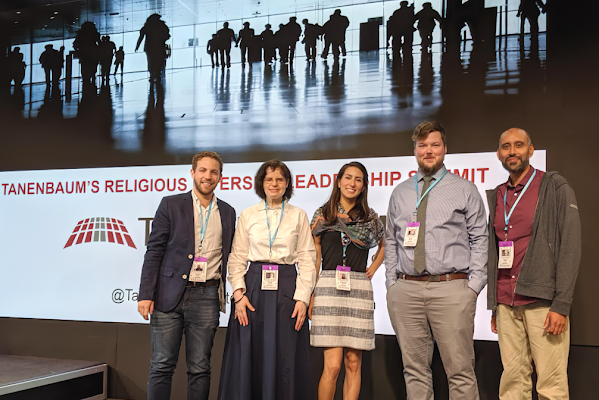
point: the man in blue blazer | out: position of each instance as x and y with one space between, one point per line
183 279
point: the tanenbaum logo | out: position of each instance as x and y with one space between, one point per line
100 229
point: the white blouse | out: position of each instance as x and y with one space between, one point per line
293 244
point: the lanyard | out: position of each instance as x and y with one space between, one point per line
204 225
427 190
345 241
507 216
271 239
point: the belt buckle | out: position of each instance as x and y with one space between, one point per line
434 278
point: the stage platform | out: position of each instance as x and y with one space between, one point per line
51 379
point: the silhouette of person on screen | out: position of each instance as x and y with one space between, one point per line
107 48
426 24
334 33
246 43
86 48
16 66
282 41
156 33
400 28
311 34
212 50
268 44
119 59
529 10
293 32
52 61
225 37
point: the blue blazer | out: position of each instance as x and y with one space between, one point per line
170 250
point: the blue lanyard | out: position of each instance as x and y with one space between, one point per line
427 190
507 216
271 239
204 225
345 241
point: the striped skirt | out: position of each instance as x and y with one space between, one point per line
341 318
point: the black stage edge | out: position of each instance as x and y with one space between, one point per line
126 349
51 379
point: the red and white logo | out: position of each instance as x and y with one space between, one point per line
100 229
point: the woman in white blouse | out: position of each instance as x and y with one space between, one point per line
267 346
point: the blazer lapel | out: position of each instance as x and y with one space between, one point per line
188 206
224 219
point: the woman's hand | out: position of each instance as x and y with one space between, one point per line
311 306
377 260
370 271
241 303
300 312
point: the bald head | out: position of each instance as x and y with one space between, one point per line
515 131
515 150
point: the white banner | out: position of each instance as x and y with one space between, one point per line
58 263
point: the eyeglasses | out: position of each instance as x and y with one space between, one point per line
270 181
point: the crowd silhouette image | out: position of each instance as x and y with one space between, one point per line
95 51
277 48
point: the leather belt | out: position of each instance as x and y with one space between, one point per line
434 278
211 282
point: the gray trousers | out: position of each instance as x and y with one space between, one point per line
426 312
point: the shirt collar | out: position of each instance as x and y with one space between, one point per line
262 206
196 200
435 176
523 181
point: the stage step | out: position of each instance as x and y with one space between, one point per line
26 378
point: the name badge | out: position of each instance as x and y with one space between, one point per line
270 277
198 269
411 237
342 278
506 255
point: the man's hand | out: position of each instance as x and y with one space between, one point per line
554 323
494 324
145 307
300 312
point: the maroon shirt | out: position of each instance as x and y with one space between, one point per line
519 231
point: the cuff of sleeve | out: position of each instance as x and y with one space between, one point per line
240 284
475 285
306 304
389 283
560 307
301 297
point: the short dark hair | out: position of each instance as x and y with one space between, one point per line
425 128
261 174
211 154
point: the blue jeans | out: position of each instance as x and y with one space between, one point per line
197 316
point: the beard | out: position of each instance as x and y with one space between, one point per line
202 190
429 169
518 167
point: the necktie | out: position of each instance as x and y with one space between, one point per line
419 254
